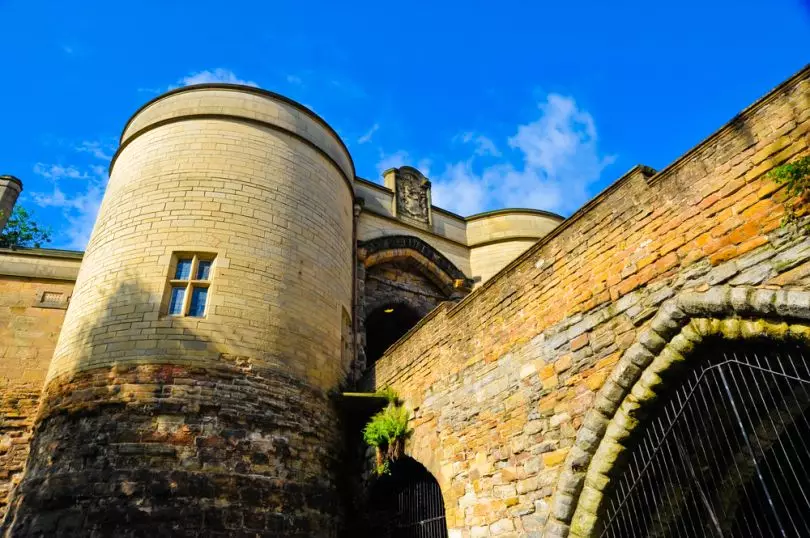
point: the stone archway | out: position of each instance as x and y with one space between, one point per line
407 275
385 325
681 324
407 502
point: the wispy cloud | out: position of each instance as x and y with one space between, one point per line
295 79
99 149
558 161
402 158
79 198
218 74
55 172
483 145
367 136
392 160
67 49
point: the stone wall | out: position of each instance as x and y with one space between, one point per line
32 309
233 400
502 382
232 450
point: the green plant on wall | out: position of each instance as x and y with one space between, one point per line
795 176
387 432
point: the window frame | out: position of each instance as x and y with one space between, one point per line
189 284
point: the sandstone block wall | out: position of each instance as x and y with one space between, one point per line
219 424
479 245
29 329
501 383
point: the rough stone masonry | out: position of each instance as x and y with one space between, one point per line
514 388
189 389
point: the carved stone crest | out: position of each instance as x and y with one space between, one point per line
413 195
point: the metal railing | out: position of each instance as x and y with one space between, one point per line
725 454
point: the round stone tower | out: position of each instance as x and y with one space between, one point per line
188 393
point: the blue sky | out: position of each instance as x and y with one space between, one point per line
533 104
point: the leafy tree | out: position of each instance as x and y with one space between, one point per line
21 230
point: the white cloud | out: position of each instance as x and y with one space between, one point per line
367 137
559 162
87 183
393 160
483 145
294 79
55 172
67 49
214 75
98 149
402 158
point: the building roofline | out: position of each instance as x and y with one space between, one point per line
731 124
245 89
44 252
15 179
649 173
515 211
476 216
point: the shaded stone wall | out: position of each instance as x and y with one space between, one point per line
233 450
400 282
501 383
29 329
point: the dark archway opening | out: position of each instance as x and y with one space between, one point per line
406 503
723 452
385 325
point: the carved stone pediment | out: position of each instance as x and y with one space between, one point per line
412 195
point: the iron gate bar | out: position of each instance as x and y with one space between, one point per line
686 464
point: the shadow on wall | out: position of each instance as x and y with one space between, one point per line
155 432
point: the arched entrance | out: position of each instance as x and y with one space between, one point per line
385 325
722 452
407 503
403 273
679 339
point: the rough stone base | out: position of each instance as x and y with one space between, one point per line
17 409
145 451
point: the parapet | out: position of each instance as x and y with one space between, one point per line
246 104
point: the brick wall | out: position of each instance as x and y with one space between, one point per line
28 333
501 382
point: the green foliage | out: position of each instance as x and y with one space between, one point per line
383 468
795 176
22 231
389 394
387 426
387 432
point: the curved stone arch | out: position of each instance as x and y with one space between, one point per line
441 271
679 325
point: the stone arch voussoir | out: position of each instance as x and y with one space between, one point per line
680 324
441 271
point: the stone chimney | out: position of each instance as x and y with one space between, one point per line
10 189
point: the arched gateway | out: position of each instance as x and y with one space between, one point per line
702 429
722 452
403 279
406 503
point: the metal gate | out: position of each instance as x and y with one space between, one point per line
724 453
407 503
